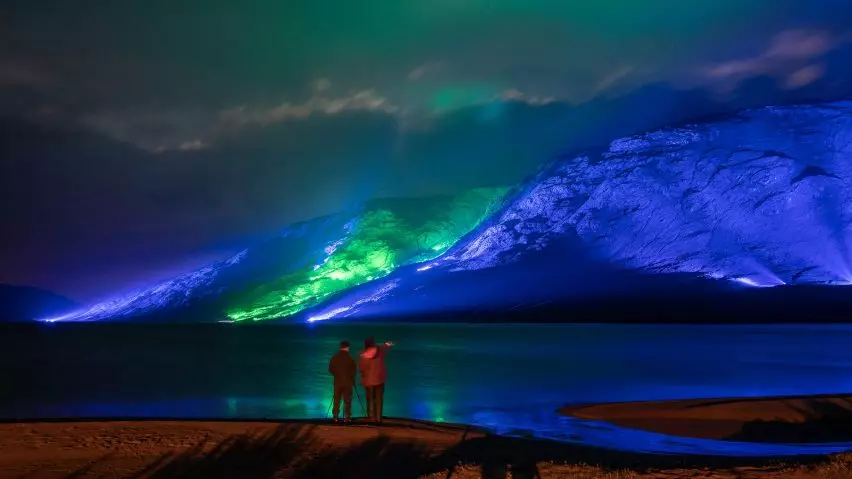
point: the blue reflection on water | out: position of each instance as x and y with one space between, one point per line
508 378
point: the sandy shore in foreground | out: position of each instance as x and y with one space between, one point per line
794 419
398 449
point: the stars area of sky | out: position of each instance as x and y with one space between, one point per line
143 138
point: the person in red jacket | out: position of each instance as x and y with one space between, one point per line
373 376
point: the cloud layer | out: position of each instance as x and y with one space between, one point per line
793 56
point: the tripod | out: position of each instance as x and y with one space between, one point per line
357 394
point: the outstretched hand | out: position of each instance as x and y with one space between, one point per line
389 344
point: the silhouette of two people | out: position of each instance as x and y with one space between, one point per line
371 365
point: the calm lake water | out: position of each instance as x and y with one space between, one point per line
510 378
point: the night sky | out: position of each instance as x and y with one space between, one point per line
142 138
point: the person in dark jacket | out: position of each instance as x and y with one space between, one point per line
342 368
373 376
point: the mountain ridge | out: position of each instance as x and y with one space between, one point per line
756 198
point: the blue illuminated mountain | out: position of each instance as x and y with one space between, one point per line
309 262
757 199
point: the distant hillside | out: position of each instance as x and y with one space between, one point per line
26 303
755 199
309 262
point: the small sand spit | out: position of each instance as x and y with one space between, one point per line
798 419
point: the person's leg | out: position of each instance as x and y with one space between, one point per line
380 396
371 403
335 412
347 403
367 400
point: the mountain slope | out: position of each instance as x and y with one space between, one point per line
760 198
311 261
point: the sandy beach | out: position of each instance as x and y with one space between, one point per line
397 449
799 419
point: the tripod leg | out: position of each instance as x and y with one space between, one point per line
358 395
328 411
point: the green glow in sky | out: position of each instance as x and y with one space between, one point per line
390 234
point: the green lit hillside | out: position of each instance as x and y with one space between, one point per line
389 234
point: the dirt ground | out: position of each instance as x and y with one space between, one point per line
398 449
